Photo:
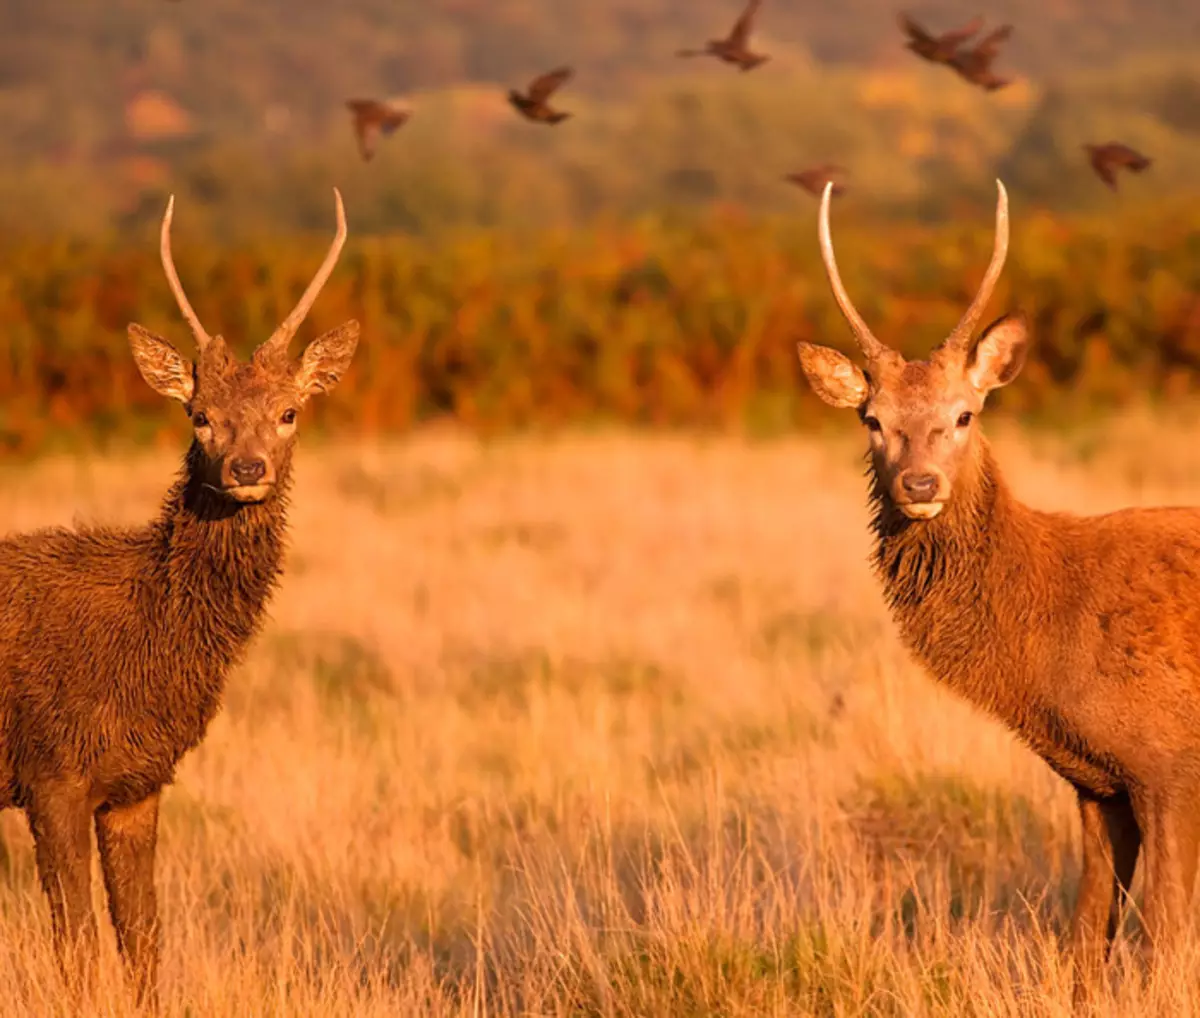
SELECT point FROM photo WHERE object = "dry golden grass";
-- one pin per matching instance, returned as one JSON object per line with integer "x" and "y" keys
{"x": 603, "y": 725}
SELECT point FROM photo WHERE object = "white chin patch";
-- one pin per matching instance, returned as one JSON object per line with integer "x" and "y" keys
{"x": 249, "y": 493}
{"x": 922, "y": 510}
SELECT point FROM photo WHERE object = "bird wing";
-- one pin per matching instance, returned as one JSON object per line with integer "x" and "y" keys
{"x": 815, "y": 177}
{"x": 740, "y": 34}
{"x": 541, "y": 88}
{"x": 1103, "y": 167}
{"x": 371, "y": 118}
{"x": 989, "y": 46}
{"x": 1123, "y": 155}
{"x": 390, "y": 119}
{"x": 365, "y": 125}
{"x": 913, "y": 30}
{"x": 807, "y": 180}
{"x": 957, "y": 36}
{"x": 361, "y": 107}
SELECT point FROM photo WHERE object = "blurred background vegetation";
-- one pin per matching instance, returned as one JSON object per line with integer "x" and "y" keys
{"x": 642, "y": 261}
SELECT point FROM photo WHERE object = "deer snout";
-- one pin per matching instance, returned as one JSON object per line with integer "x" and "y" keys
{"x": 248, "y": 477}
{"x": 921, "y": 494}
{"x": 248, "y": 471}
{"x": 920, "y": 487}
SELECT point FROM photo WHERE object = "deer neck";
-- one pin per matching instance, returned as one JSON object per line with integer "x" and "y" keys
{"x": 223, "y": 560}
{"x": 951, "y": 581}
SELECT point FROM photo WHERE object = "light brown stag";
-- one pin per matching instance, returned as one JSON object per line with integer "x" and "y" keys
{"x": 1081, "y": 633}
{"x": 115, "y": 643}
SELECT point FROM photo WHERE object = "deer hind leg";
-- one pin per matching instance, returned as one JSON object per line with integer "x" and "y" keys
{"x": 59, "y": 820}
{"x": 1111, "y": 841}
{"x": 126, "y": 836}
{"x": 1171, "y": 830}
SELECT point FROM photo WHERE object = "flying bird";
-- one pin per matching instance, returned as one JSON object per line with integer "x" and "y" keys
{"x": 734, "y": 48}
{"x": 974, "y": 64}
{"x": 815, "y": 178}
{"x": 937, "y": 49}
{"x": 533, "y": 103}
{"x": 1106, "y": 159}
{"x": 371, "y": 119}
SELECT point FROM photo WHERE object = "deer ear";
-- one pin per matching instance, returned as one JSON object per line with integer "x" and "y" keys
{"x": 833, "y": 376}
{"x": 326, "y": 359}
{"x": 1000, "y": 353}
{"x": 163, "y": 367}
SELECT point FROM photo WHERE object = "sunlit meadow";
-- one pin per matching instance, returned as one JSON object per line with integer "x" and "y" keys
{"x": 599, "y": 724}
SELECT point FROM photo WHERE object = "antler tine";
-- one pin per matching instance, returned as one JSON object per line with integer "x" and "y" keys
{"x": 960, "y": 338}
{"x": 287, "y": 329}
{"x": 168, "y": 264}
{"x": 872, "y": 348}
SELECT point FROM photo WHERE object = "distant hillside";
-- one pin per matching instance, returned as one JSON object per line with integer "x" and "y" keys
{"x": 238, "y": 106}
{"x": 67, "y": 65}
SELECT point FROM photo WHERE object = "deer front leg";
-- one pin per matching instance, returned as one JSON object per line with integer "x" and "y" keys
{"x": 1171, "y": 832}
{"x": 59, "y": 821}
{"x": 127, "y": 836}
{"x": 1111, "y": 841}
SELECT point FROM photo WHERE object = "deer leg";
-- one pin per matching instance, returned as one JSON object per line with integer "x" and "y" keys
{"x": 59, "y": 821}
{"x": 1172, "y": 838}
{"x": 1095, "y": 901}
{"x": 126, "y": 836}
{"x": 1111, "y": 841}
{"x": 1126, "y": 840}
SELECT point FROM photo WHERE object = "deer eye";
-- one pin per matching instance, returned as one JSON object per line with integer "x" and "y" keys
{"x": 200, "y": 420}
{"x": 965, "y": 418}
{"x": 289, "y": 416}
{"x": 872, "y": 423}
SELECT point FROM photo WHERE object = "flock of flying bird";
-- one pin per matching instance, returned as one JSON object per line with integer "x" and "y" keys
{"x": 374, "y": 118}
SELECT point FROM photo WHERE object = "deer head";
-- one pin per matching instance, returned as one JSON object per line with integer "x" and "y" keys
{"x": 244, "y": 414}
{"x": 920, "y": 415}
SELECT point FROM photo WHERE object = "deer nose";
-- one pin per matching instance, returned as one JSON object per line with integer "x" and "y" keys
{"x": 920, "y": 487}
{"x": 247, "y": 471}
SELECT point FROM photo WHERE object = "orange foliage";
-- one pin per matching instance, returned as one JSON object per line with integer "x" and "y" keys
{"x": 652, "y": 325}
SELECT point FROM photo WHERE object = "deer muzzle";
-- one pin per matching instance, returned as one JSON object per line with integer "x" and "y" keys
{"x": 247, "y": 477}
{"x": 921, "y": 494}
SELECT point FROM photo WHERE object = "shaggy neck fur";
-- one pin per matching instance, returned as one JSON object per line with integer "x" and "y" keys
{"x": 957, "y": 584}
{"x": 218, "y": 564}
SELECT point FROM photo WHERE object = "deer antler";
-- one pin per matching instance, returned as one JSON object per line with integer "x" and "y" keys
{"x": 282, "y": 336}
{"x": 959, "y": 340}
{"x": 168, "y": 264}
{"x": 872, "y": 348}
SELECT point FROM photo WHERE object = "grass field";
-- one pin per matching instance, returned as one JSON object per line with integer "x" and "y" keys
{"x": 601, "y": 725}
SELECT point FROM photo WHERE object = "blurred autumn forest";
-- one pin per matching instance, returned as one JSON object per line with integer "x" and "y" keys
{"x": 644, "y": 261}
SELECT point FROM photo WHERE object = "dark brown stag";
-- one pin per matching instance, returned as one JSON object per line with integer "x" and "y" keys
{"x": 735, "y": 47}
{"x": 1107, "y": 159}
{"x": 937, "y": 49}
{"x": 533, "y": 104}
{"x": 1081, "y": 633}
{"x": 115, "y": 643}
{"x": 373, "y": 118}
